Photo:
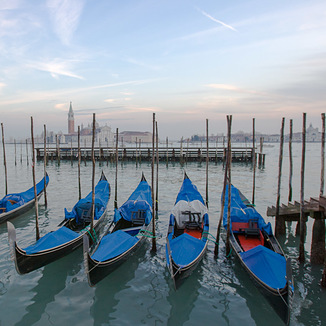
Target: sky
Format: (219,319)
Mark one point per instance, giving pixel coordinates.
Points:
(185,60)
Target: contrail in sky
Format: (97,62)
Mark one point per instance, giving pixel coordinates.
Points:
(216,20)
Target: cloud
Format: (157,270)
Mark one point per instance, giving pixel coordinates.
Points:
(65,15)
(55,67)
(2,85)
(216,20)
(142,64)
(233,88)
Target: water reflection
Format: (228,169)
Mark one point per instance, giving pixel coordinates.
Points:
(52,282)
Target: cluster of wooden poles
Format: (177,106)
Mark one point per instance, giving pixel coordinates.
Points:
(280,223)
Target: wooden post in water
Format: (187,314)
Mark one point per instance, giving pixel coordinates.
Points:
(222,210)
(100,152)
(107,152)
(116,169)
(15,152)
(71,152)
(153,202)
(229,163)
(207,158)
(34,182)
(4,158)
(167,151)
(279,220)
(44,161)
(136,153)
(79,159)
(322,172)
(253,162)
(27,152)
(291,161)
(318,232)
(302,216)
(157,163)
(181,151)
(187,151)
(21,152)
(139,147)
(93,177)
(323,280)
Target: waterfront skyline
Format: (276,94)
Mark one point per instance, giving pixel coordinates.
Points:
(186,61)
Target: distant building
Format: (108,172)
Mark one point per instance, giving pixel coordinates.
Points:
(131,136)
(71,120)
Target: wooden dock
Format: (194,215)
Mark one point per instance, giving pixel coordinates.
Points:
(171,154)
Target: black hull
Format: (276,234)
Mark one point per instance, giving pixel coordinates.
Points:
(28,263)
(19,210)
(180,274)
(97,271)
(279,300)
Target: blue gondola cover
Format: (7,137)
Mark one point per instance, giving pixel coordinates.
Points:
(51,240)
(241,213)
(83,206)
(113,245)
(140,199)
(267,265)
(189,192)
(12,201)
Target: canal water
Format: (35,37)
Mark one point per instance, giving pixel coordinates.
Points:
(140,291)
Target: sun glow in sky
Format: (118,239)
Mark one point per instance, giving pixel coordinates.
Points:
(185,60)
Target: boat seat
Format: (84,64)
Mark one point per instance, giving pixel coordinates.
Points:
(191,220)
(253,229)
(12,202)
(138,217)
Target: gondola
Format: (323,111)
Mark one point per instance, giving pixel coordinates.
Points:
(124,236)
(15,204)
(67,237)
(259,252)
(186,240)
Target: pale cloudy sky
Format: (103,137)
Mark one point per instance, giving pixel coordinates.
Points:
(186,60)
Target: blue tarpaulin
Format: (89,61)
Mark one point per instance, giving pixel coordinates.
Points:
(267,265)
(12,201)
(51,240)
(189,192)
(84,205)
(140,199)
(241,213)
(185,249)
(113,245)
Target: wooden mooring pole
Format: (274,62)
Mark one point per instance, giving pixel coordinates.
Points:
(323,279)
(93,177)
(229,163)
(116,169)
(302,216)
(34,183)
(253,162)
(15,152)
(79,159)
(279,220)
(167,151)
(291,161)
(27,152)
(44,162)
(157,163)
(153,197)
(207,158)
(4,159)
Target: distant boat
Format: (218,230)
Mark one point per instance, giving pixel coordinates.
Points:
(19,203)
(67,237)
(124,236)
(259,252)
(186,241)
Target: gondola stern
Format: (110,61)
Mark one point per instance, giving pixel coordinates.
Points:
(143,177)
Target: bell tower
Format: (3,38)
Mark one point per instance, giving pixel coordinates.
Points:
(71,120)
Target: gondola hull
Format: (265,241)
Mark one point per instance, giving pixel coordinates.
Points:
(278,299)
(27,263)
(23,208)
(180,274)
(97,271)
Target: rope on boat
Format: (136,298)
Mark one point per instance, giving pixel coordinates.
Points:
(90,234)
(278,290)
(229,253)
(143,232)
(213,238)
